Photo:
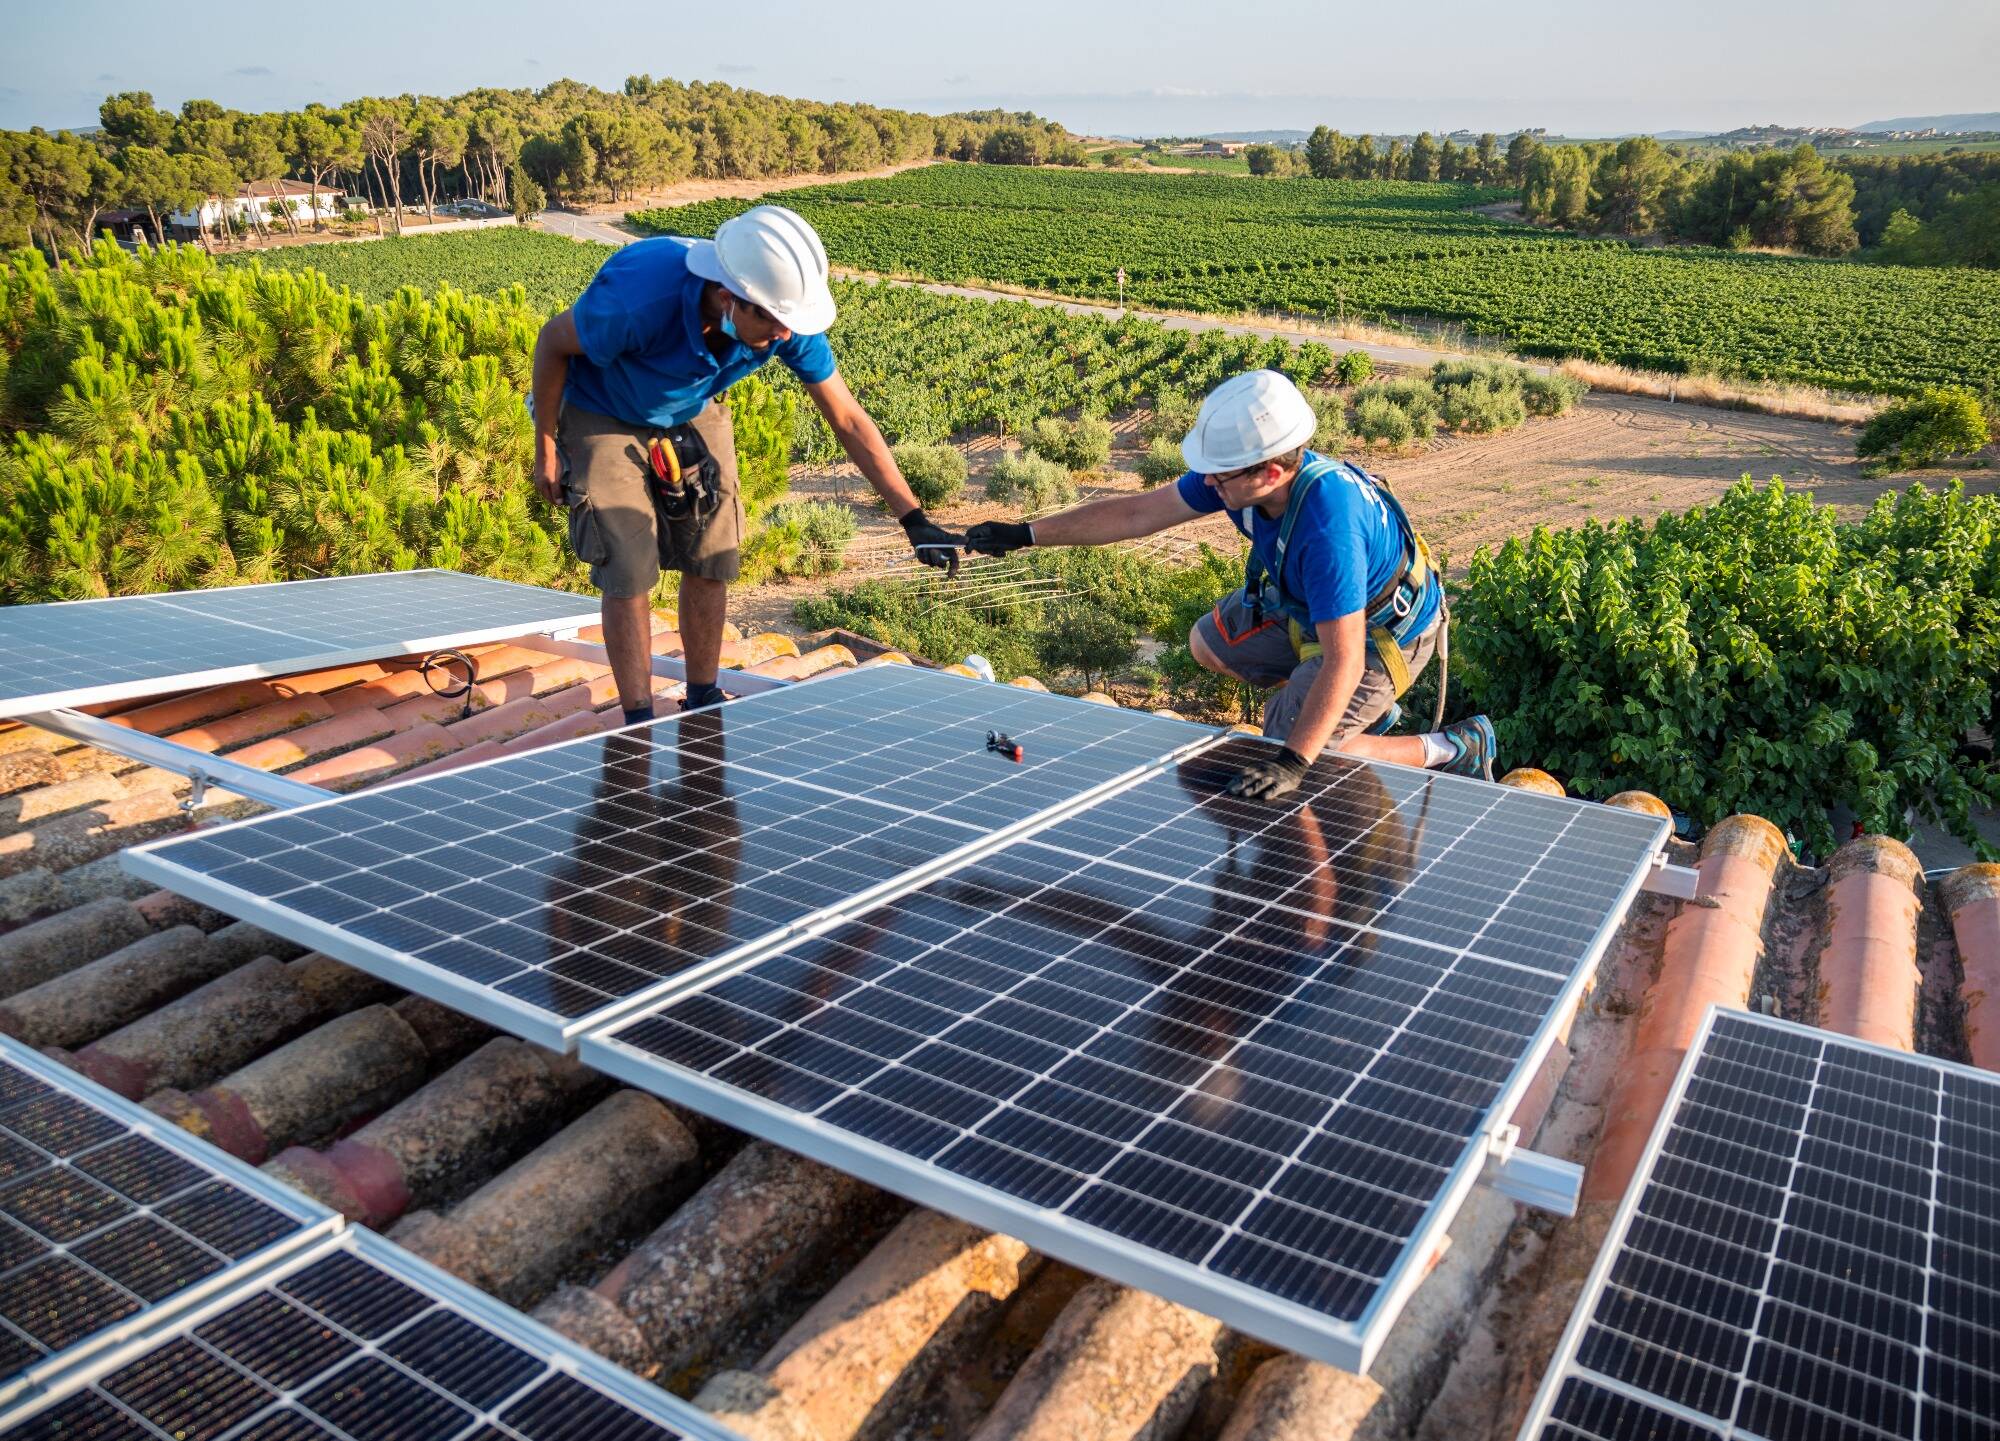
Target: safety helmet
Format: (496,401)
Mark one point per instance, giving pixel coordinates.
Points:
(772,258)
(1246,419)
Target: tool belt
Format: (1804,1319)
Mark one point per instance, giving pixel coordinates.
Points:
(1391,614)
(684,477)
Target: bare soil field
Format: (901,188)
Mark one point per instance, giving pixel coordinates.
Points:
(1614,457)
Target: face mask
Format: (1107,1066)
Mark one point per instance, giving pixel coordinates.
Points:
(729,326)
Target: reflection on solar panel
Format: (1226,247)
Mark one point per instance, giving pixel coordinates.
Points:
(106,1212)
(537,891)
(73,653)
(1242,1055)
(1810,1249)
(360,1341)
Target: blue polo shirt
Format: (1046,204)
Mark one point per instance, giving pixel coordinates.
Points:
(645,360)
(1347,544)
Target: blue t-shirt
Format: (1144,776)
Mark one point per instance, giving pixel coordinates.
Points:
(645,360)
(1347,544)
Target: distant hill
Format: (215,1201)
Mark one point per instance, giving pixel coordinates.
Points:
(1986,120)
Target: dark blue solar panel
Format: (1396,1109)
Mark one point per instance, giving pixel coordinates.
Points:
(555,883)
(1810,1253)
(1256,1041)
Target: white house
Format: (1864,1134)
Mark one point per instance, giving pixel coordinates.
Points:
(272,198)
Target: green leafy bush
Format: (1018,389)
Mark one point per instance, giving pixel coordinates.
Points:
(1171,418)
(824,530)
(1353,367)
(1481,397)
(1757,655)
(1412,397)
(1930,426)
(1552,394)
(1077,444)
(1162,463)
(1030,481)
(936,473)
(1081,637)
(1330,433)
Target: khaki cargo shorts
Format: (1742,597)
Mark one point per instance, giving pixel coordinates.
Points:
(1263,655)
(613,527)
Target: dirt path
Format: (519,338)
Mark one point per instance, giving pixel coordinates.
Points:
(604,223)
(1615,457)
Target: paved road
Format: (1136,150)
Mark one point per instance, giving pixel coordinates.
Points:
(584,227)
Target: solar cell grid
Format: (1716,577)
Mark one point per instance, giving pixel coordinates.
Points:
(358,1342)
(106,1212)
(75,652)
(1236,1052)
(1810,1251)
(541,890)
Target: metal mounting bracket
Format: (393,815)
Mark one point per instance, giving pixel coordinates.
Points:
(1530,1177)
(201,768)
(1675,882)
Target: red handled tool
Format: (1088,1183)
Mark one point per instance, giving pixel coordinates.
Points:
(1005,744)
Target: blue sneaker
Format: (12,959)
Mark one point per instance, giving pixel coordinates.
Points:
(1386,722)
(1473,738)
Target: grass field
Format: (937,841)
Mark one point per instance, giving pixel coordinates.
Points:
(1385,250)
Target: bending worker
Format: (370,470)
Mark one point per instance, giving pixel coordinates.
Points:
(633,436)
(1340,608)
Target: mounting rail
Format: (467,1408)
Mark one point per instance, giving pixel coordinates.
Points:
(199,767)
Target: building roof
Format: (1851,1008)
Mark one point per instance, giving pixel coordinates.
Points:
(794,1301)
(257,188)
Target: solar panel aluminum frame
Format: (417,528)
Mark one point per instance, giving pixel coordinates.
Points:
(543,1027)
(1348,1346)
(318,1222)
(1561,1364)
(24,706)
(563,1354)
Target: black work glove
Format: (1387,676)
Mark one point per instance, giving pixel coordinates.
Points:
(933,544)
(1266,780)
(998,537)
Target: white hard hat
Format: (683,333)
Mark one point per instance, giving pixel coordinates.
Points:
(1248,418)
(770,257)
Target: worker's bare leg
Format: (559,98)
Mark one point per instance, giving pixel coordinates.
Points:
(628,637)
(703,606)
(1399,750)
(1206,658)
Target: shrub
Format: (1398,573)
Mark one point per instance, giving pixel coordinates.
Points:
(1555,394)
(1030,481)
(1078,444)
(1162,463)
(825,529)
(1478,396)
(1380,421)
(1413,397)
(777,550)
(1078,635)
(1759,655)
(1173,416)
(936,473)
(1330,434)
(1353,367)
(1930,426)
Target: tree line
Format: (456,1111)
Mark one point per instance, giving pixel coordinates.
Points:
(1330,155)
(566,141)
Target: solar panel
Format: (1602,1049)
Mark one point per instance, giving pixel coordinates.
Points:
(1810,1249)
(109,1214)
(1245,1056)
(79,652)
(356,1341)
(546,891)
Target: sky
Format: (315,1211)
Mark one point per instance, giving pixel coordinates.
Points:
(1579,67)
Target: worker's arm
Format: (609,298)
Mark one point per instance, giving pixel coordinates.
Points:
(553,349)
(862,439)
(1100,522)
(858,435)
(1344,645)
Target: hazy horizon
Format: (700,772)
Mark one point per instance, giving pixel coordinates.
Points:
(1109,69)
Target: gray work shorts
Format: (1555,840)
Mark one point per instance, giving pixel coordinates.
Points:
(1263,655)
(613,527)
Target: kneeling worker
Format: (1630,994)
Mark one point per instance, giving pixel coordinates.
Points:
(1340,608)
(633,436)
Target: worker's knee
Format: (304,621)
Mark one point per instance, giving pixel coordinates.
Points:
(1203,656)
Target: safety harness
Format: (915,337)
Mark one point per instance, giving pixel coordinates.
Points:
(1391,612)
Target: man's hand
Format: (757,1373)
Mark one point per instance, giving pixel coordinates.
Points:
(1266,780)
(933,544)
(548,471)
(998,537)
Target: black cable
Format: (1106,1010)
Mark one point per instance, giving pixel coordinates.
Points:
(437,660)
